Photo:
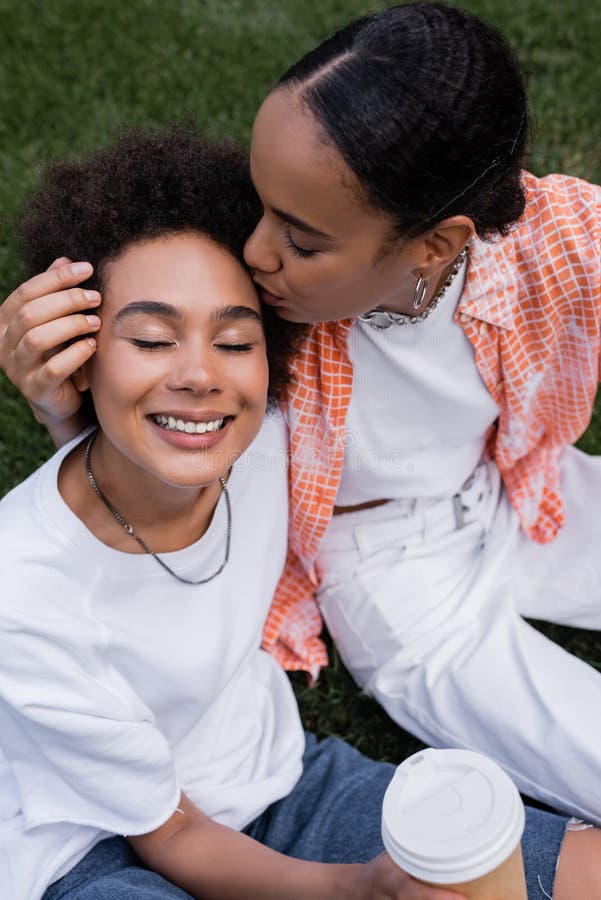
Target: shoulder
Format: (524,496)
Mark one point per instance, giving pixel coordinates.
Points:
(558,203)
(18,511)
(24,509)
(557,240)
(41,573)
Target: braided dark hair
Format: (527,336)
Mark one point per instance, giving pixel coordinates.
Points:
(427,105)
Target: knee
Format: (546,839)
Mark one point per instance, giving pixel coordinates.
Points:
(579,867)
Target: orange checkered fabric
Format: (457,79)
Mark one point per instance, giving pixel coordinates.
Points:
(531,307)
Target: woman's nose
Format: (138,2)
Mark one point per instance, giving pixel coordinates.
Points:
(196,370)
(261,251)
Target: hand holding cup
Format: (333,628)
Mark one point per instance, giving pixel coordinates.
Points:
(454,819)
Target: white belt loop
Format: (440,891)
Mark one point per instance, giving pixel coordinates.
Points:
(404,522)
(392,532)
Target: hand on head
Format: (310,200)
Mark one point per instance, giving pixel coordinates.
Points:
(45,338)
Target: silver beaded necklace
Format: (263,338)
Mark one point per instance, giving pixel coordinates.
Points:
(130,530)
(382,319)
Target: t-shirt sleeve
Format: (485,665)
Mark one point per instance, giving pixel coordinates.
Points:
(82,745)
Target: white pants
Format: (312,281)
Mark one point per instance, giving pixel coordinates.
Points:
(425,602)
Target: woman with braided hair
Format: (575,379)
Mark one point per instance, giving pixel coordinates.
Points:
(451,361)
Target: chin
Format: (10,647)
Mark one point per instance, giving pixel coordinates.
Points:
(198,479)
(299,318)
(286,314)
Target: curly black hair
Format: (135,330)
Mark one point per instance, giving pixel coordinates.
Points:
(151,182)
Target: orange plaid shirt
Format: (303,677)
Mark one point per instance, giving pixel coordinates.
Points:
(531,308)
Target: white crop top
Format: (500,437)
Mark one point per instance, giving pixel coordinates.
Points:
(419,409)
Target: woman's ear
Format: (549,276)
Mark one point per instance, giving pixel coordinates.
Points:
(455,233)
(445,242)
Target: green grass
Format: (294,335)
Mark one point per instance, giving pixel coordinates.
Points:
(73,70)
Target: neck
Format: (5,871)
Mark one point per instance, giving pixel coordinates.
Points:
(436,287)
(168,517)
(132,487)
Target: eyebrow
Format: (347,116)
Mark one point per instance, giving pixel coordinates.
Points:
(235,312)
(149,308)
(167,311)
(302,226)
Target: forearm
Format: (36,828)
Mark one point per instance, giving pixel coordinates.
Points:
(216,862)
(212,862)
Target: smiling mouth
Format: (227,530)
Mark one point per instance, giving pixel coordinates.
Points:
(187,426)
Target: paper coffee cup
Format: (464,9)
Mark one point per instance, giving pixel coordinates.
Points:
(453,818)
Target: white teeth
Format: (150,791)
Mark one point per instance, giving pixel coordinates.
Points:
(169,423)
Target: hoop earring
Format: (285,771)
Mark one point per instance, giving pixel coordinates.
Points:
(421,288)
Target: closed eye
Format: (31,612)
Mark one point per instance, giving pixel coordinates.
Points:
(150,345)
(294,248)
(235,348)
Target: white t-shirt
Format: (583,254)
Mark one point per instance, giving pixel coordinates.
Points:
(419,410)
(120,686)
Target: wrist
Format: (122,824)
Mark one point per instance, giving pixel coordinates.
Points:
(61,429)
(347,882)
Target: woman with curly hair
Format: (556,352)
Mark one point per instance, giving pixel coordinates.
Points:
(454,305)
(139,564)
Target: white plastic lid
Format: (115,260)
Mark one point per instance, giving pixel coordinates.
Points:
(451,816)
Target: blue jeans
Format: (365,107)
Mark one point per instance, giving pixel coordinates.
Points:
(332,815)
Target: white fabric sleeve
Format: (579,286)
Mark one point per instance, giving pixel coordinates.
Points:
(82,745)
